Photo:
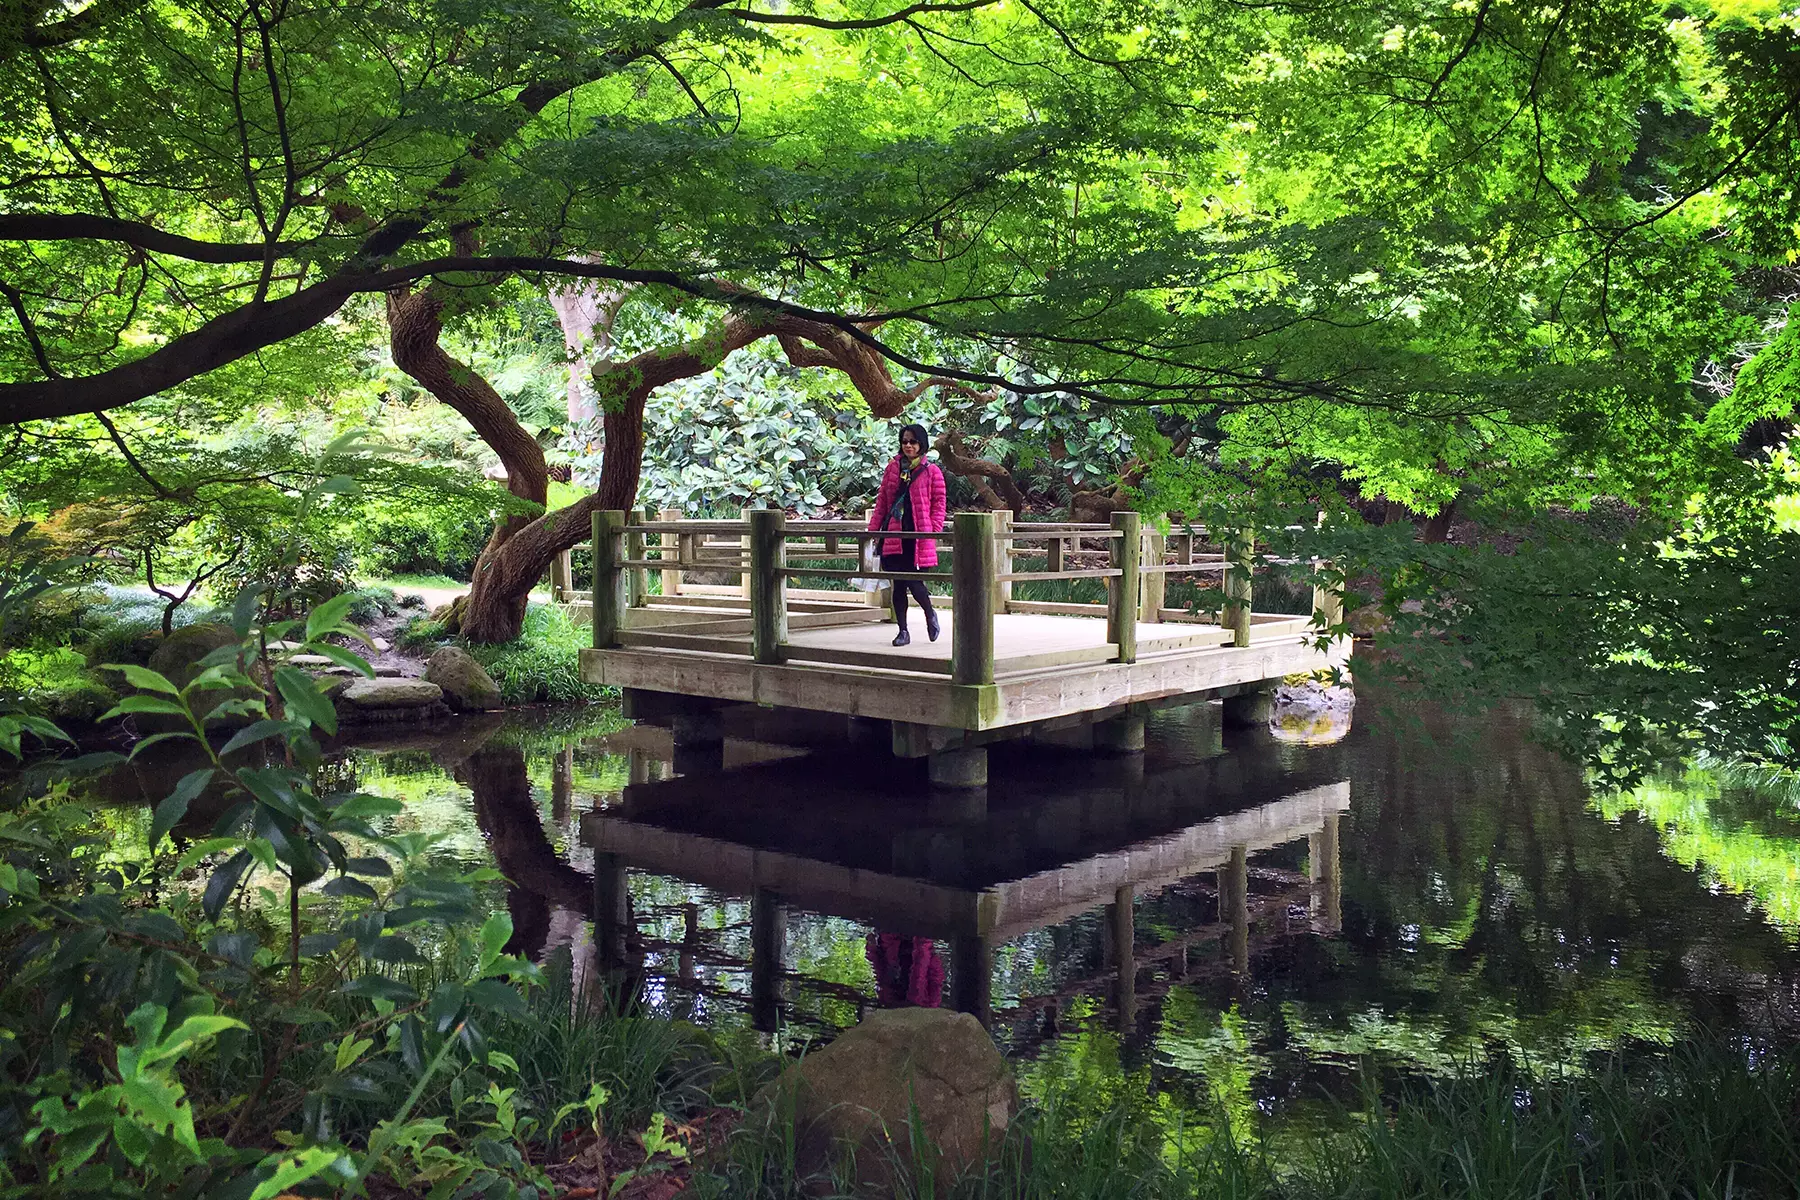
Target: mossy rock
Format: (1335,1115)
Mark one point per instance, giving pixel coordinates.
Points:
(177,657)
(909,1089)
(466,683)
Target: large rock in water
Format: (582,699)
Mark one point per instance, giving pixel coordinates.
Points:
(853,1102)
(392,693)
(391,701)
(467,685)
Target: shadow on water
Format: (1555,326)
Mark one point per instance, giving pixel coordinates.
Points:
(1229,915)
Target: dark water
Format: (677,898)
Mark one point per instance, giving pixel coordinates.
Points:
(1229,918)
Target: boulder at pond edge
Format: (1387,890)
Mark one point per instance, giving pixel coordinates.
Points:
(177,658)
(467,685)
(853,1103)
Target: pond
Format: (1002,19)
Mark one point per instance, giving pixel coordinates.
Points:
(1233,918)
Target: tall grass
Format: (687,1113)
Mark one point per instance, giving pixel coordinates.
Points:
(1712,1119)
(543,664)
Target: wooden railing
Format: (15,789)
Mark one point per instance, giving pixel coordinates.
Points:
(769,551)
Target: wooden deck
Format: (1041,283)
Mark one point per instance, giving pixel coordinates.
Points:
(1000,663)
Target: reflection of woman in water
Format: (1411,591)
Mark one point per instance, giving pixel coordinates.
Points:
(908,971)
(911,499)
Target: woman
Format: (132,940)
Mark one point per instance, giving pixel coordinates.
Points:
(911,499)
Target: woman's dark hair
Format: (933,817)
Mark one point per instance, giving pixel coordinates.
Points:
(919,436)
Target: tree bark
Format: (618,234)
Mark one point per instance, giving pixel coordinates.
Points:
(992,481)
(586,310)
(494,611)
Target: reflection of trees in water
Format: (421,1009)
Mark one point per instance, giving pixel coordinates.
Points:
(1735,840)
(1487,906)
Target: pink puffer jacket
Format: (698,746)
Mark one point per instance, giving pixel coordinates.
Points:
(927,509)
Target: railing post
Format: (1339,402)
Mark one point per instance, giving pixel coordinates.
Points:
(1122,592)
(972,599)
(1240,549)
(768,586)
(638,579)
(1155,582)
(670,541)
(1328,601)
(562,578)
(744,556)
(1003,558)
(1053,554)
(609,580)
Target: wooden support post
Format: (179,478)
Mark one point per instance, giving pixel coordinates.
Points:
(638,579)
(1003,558)
(1054,554)
(768,949)
(609,578)
(768,586)
(1122,594)
(972,599)
(1240,549)
(671,549)
(1124,946)
(1328,601)
(1327,885)
(1234,907)
(1154,586)
(972,977)
(562,577)
(612,911)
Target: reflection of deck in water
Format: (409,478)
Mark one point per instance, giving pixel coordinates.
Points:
(1045,843)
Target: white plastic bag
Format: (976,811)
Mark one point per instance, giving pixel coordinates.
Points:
(871,561)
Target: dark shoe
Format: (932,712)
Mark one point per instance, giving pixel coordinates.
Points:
(931,624)
(903,638)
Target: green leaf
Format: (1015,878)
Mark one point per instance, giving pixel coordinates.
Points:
(224,881)
(349,1051)
(493,996)
(255,732)
(144,677)
(144,704)
(361,805)
(303,697)
(309,1163)
(446,1004)
(145,743)
(393,949)
(342,657)
(496,931)
(244,607)
(203,849)
(379,987)
(328,616)
(175,804)
(412,1045)
(344,885)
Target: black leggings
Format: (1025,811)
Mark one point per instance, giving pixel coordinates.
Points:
(905,587)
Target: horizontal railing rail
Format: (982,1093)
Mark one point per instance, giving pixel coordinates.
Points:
(769,552)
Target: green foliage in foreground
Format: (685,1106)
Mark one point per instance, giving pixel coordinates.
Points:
(293,996)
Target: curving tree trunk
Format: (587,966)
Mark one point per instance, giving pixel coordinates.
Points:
(495,608)
(522,548)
